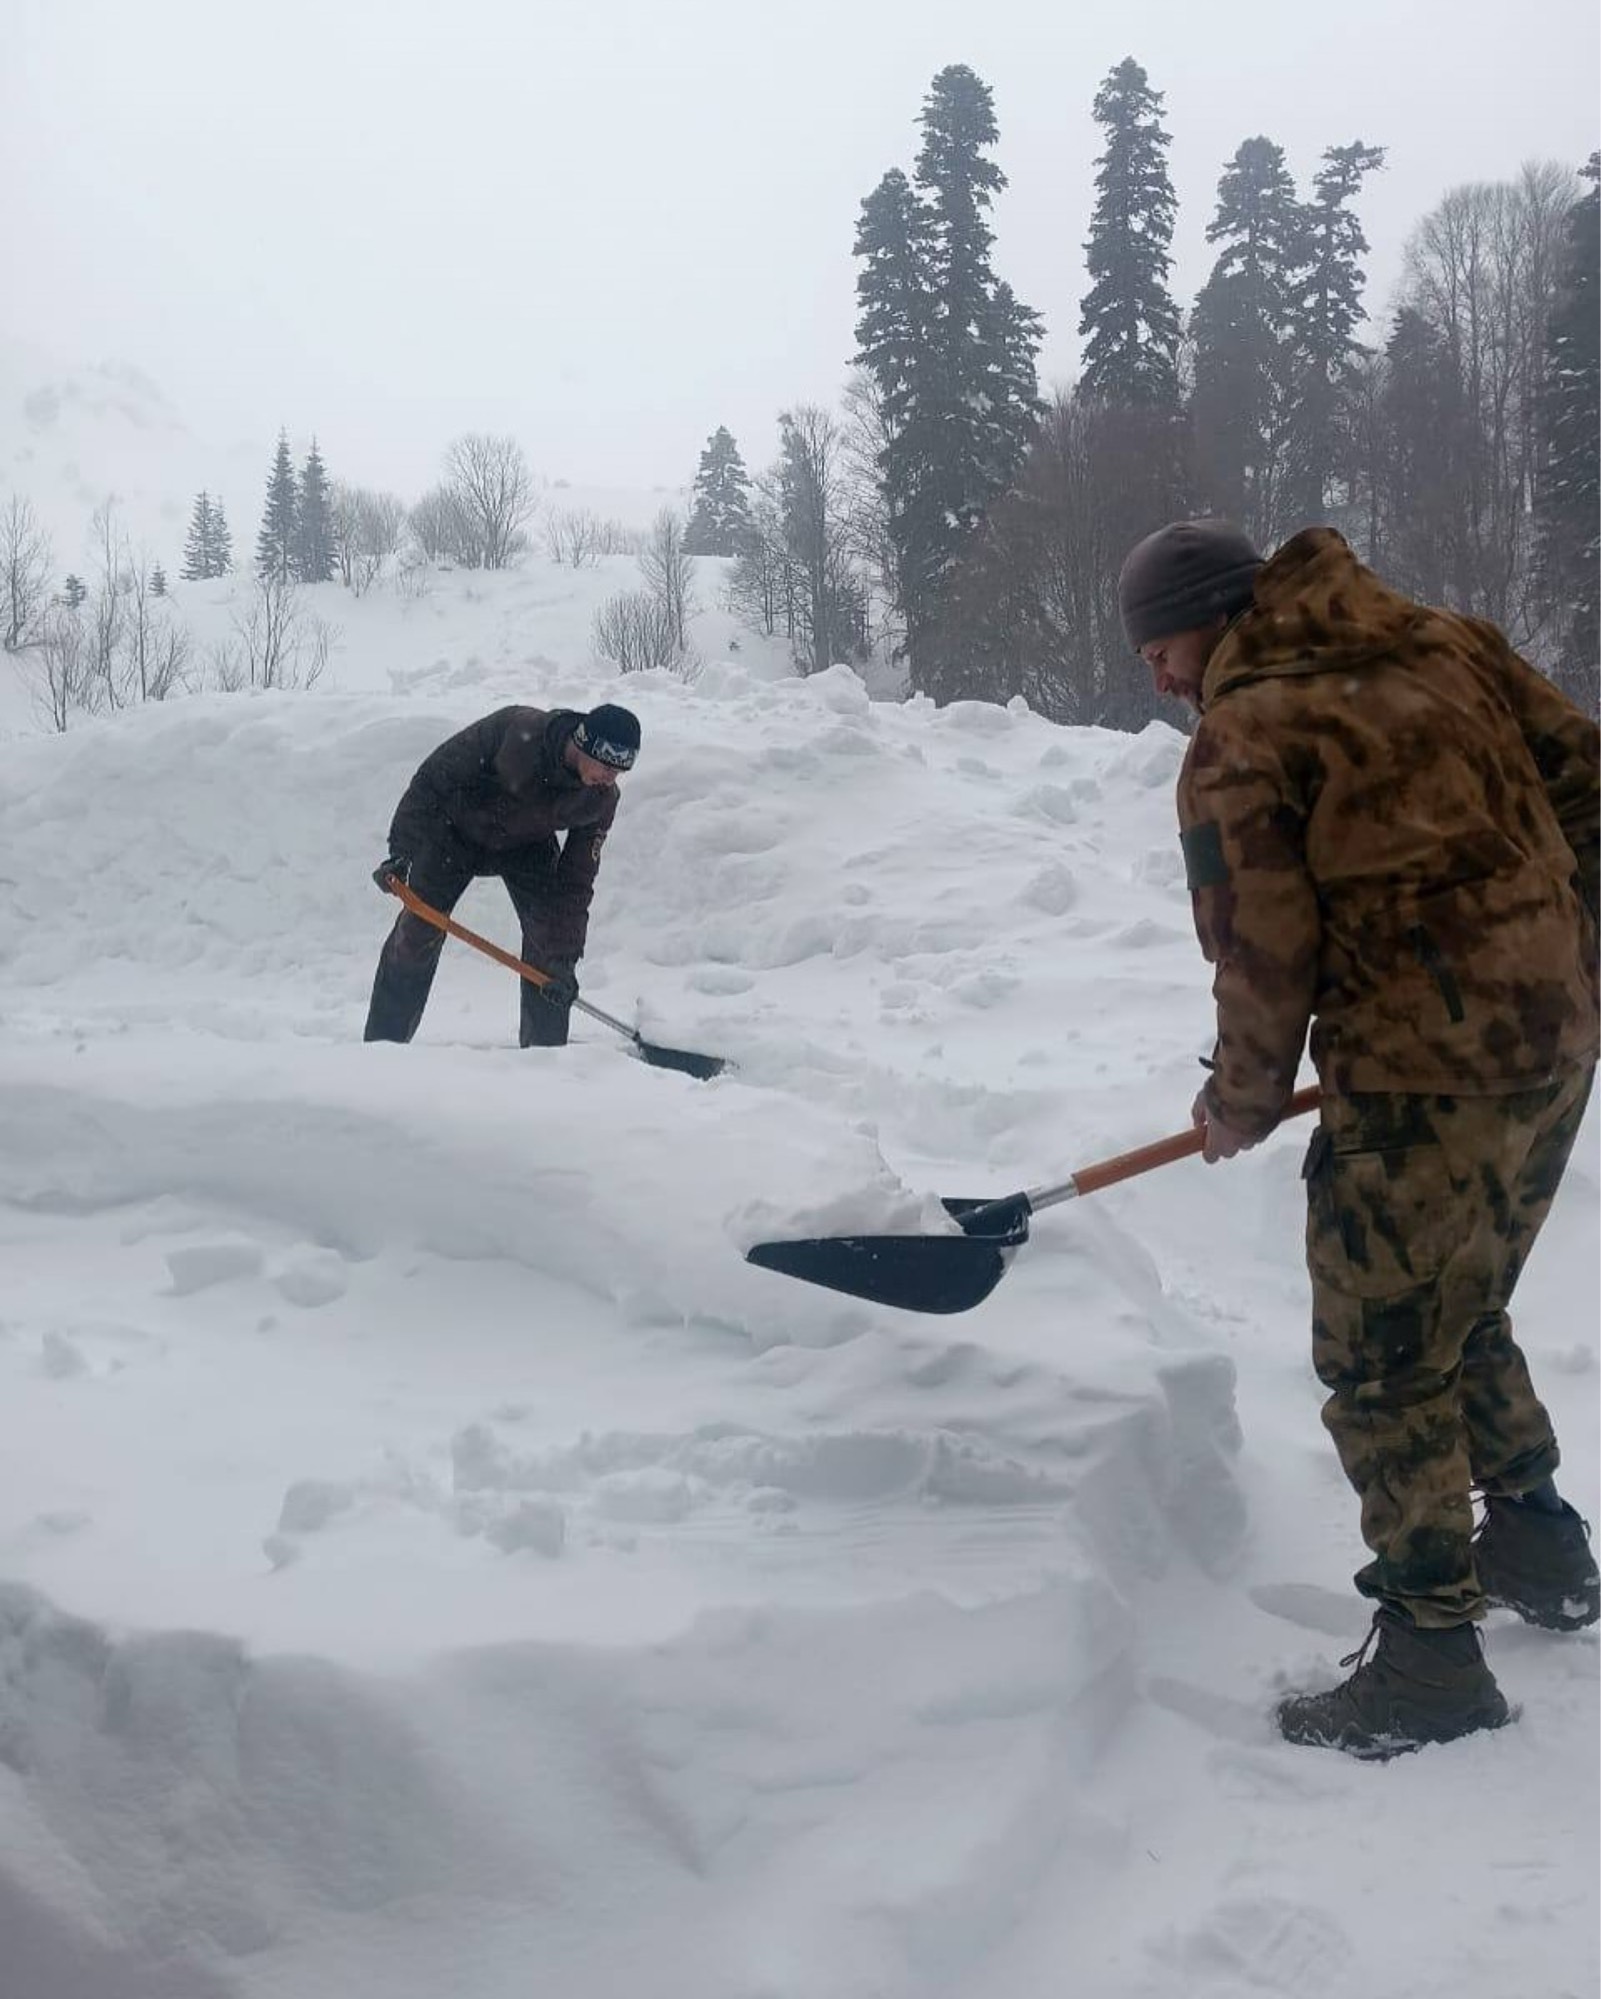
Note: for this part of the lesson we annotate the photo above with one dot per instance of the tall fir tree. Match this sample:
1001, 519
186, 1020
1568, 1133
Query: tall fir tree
950, 351
1328, 309
985, 340
894, 337
719, 520
315, 544
220, 546
73, 592
198, 542
1569, 494
1244, 327
158, 581
1129, 320
276, 543
1416, 462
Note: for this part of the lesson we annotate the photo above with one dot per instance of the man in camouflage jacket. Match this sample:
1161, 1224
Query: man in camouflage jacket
527, 795
1390, 830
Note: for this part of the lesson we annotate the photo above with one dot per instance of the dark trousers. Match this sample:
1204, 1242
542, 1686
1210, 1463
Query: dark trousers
1421, 1212
410, 955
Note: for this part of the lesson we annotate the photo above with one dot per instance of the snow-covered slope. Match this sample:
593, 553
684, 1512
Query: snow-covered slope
77, 436
438, 1563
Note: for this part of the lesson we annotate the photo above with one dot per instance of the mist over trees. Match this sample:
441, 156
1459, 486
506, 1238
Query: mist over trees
974, 530
950, 521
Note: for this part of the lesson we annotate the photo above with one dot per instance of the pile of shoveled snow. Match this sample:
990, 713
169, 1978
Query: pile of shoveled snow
439, 1563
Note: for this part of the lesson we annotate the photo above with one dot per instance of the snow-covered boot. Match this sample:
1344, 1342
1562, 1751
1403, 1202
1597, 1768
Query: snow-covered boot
1538, 1563
1411, 1686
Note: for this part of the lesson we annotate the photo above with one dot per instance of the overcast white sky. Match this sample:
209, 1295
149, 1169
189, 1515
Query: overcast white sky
610, 225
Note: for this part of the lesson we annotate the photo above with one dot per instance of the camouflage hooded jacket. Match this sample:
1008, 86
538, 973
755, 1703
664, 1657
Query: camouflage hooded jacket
1390, 826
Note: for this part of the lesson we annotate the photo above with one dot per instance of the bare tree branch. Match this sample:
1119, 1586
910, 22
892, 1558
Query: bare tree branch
26, 560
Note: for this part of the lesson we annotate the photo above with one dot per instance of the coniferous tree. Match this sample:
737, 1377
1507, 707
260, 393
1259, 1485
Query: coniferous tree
894, 337
1244, 326
198, 543
1129, 319
1570, 491
158, 581
984, 340
720, 516
950, 351
73, 592
219, 548
208, 546
1417, 467
315, 544
276, 542
1328, 308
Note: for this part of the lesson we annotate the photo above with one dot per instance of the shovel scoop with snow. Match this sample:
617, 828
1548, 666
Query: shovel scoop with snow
955, 1272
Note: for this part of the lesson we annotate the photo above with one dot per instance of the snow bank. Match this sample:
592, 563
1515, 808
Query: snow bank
437, 1562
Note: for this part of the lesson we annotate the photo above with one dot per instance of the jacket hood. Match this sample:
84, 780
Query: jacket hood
1317, 609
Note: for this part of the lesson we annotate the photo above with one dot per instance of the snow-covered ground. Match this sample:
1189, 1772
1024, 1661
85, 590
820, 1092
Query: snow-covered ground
432, 1561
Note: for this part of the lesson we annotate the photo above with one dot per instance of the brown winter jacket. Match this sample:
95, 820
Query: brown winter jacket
1389, 823
498, 794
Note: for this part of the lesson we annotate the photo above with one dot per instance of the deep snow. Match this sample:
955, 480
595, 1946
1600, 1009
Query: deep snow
436, 1562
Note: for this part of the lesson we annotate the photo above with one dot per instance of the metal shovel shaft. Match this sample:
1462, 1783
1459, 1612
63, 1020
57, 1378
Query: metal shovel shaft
702, 1066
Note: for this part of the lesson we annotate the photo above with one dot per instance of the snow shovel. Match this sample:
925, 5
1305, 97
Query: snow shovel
702, 1067
953, 1273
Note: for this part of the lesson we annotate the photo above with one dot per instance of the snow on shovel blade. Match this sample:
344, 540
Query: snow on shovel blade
917, 1273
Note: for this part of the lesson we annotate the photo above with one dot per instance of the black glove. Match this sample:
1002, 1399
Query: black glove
396, 869
546, 1012
562, 987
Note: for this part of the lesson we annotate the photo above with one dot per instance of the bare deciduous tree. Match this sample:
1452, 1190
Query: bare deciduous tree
575, 536
61, 681
864, 438
141, 630
809, 484
615, 539
106, 611
225, 666
367, 529
759, 586
1480, 275
494, 489
635, 630
669, 573
25, 563
441, 529
279, 644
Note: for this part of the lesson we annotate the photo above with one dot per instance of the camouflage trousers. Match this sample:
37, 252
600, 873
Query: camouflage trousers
1421, 1212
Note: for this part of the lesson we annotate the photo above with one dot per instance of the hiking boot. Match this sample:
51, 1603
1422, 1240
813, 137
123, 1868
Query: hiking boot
1538, 1564
1418, 1686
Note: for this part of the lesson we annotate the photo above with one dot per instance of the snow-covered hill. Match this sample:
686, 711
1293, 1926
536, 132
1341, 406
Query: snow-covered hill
77, 436
431, 1560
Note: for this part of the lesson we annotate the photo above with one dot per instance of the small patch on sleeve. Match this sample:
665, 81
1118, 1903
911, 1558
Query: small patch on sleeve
1204, 862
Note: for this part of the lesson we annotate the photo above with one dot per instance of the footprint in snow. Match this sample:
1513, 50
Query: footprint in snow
312, 1277
197, 1266
1219, 1714
1326, 1611
1264, 1943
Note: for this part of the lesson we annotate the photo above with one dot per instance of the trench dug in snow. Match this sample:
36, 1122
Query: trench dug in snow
435, 1561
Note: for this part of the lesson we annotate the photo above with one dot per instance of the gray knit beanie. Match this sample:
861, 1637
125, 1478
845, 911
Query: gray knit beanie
1184, 575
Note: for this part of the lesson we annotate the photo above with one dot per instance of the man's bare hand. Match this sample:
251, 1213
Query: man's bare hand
1222, 1140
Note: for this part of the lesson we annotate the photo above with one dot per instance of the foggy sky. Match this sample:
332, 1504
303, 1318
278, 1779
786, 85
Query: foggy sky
610, 225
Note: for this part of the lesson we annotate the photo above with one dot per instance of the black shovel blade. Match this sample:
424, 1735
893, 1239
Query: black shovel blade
701, 1067
917, 1273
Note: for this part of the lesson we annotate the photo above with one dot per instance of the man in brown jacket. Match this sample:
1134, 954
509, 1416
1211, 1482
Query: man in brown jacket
527, 795
1390, 830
